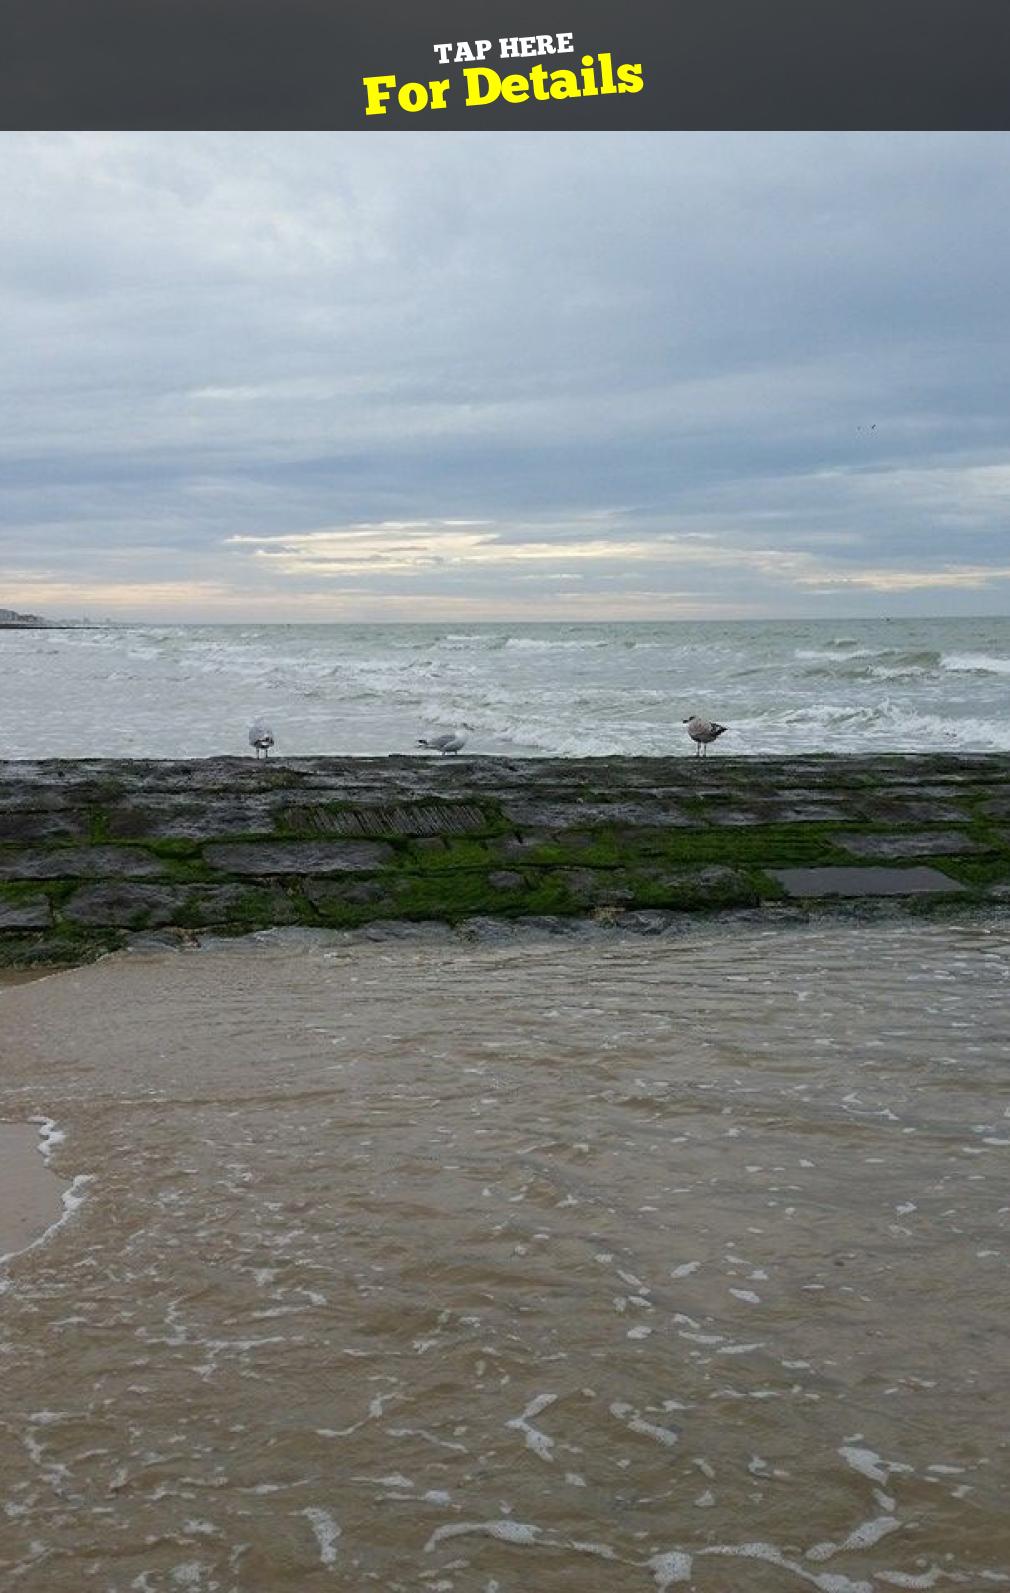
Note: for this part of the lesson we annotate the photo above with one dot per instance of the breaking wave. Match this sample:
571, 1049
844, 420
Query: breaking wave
566, 690
975, 664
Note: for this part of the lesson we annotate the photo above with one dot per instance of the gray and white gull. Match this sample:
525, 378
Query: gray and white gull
443, 744
261, 737
703, 732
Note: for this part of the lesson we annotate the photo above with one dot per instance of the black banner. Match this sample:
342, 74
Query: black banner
559, 64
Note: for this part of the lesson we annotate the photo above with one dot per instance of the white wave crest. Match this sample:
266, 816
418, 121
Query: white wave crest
975, 663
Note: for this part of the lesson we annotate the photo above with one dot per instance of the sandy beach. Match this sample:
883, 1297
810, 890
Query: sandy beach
608, 1268
30, 1195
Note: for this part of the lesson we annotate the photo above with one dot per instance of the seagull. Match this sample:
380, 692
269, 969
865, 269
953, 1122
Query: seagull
444, 744
261, 737
702, 732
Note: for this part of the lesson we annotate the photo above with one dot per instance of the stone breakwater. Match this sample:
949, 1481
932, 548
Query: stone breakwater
93, 852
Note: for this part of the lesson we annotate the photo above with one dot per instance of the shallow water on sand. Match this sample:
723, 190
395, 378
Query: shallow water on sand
672, 1265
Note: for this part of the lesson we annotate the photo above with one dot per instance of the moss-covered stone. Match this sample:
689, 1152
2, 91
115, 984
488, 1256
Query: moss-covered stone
94, 849
26, 912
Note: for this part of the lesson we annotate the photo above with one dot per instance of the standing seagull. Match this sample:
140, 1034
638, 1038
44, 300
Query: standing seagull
261, 737
444, 744
702, 732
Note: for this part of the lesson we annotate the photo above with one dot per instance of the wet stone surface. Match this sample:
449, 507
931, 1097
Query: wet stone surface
927, 843
297, 857
313, 818
77, 862
28, 825
899, 810
173, 817
126, 906
32, 912
804, 882
95, 849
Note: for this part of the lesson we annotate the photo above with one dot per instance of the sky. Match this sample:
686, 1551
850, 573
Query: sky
438, 376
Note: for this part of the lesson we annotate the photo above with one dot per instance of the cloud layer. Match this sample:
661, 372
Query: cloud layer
477, 375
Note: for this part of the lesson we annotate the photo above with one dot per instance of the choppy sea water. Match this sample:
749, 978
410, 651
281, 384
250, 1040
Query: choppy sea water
645, 1267
566, 690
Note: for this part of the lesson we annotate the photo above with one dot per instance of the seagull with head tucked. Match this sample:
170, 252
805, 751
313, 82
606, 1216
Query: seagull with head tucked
703, 732
261, 737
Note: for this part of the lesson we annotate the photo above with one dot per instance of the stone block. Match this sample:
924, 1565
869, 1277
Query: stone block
517, 848
504, 879
419, 819
927, 843
126, 906
327, 894
235, 904
904, 810
30, 913
43, 825
557, 813
298, 857
80, 862
708, 884
807, 882
172, 817
782, 810
596, 887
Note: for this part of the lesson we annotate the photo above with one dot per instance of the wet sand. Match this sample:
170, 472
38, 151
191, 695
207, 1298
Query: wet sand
30, 1195
534, 1268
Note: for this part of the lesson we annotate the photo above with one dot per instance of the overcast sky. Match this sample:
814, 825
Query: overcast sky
444, 376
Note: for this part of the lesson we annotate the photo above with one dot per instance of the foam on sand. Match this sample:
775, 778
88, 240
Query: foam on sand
31, 1196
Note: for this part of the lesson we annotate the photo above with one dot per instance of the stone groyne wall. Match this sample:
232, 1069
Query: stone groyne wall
94, 851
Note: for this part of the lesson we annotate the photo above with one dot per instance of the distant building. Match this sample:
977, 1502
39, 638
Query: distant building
10, 616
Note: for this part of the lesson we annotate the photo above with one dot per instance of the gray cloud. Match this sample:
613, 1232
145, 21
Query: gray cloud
647, 366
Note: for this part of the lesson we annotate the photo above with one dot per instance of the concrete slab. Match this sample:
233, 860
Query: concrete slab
864, 881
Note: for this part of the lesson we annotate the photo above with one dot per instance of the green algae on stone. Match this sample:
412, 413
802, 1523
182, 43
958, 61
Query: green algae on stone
95, 849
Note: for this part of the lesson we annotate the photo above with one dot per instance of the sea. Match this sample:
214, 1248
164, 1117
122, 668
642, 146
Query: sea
520, 690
